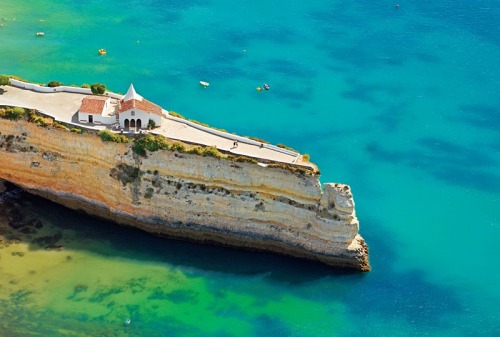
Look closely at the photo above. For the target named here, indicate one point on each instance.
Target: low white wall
(62, 88)
(105, 119)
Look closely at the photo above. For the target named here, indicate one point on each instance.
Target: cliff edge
(186, 196)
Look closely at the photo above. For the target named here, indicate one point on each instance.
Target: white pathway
(63, 106)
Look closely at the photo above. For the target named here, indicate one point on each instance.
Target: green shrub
(39, 120)
(119, 138)
(76, 130)
(58, 125)
(211, 151)
(196, 150)
(14, 113)
(178, 147)
(306, 157)
(53, 84)
(108, 136)
(98, 88)
(243, 159)
(149, 142)
(151, 124)
(4, 80)
(85, 85)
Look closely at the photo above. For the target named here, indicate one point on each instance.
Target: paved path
(178, 130)
(60, 105)
(63, 106)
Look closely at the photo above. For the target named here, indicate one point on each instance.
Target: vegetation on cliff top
(13, 113)
(98, 88)
(53, 84)
(4, 80)
(144, 143)
(17, 113)
(149, 142)
(108, 136)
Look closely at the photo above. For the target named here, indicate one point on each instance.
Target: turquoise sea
(403, 104)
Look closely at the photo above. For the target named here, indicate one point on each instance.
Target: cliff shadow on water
(387, 292)
(45, 225)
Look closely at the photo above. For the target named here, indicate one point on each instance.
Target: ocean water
(401, 103)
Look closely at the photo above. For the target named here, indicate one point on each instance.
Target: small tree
(151, 124)
(98, 88)
(53, 84)
(4, 80)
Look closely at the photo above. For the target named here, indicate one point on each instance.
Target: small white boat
(204, 84)
(40, 34)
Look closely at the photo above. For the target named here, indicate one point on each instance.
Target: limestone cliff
(186, 196)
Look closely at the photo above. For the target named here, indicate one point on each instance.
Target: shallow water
(402, 104)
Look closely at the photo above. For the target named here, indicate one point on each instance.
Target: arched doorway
(132, 123)
(127, 124)
(139, 124)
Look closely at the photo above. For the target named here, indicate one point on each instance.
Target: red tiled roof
(143, 105)
(93, 104)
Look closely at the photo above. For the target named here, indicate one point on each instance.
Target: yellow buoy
(259, 89)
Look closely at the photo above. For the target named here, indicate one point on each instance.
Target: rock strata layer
(186, 196)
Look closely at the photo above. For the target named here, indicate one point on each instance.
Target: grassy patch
(77, 130)
(293, 169)
(13, 113)
(242, 159)
(58, 125)
(211, 151)
(283, 146)
(108, 136)
(175, 114)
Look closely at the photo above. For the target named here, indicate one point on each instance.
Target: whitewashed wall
(62, 88)
(98, 119)
(144, 117)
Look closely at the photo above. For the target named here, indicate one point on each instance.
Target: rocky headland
(186, 196)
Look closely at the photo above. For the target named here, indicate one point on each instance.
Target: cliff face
(186, 196)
